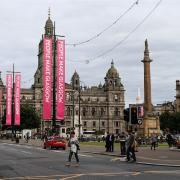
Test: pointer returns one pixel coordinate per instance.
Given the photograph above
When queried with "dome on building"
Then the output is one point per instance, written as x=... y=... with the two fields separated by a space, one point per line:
x=49 y=23
x=49 y=26
x=112 y=72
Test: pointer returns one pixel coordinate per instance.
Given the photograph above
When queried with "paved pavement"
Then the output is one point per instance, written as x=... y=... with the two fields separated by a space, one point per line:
x=162 y=156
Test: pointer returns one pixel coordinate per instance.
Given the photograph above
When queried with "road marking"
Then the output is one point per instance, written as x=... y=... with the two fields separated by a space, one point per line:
x=164 y=172
x=85 y=155
x=73 y=176
x=26 y=152
x=120 y=159
x=114 y=159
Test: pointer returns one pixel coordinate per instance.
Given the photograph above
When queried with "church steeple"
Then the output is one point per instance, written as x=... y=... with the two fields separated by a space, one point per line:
x=75 y=81
x=49 y=25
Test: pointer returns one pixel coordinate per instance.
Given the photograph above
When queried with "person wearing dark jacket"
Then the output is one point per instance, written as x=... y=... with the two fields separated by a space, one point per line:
x=107 y=143
x=111 y=142
x=131 y=147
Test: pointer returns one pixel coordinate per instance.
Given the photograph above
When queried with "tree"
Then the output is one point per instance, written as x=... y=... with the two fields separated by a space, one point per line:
x=170 y=121
x=29 y=118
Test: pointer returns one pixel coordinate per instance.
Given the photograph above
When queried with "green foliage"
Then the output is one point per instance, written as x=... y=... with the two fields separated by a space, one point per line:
x=29 y=117
x=170 y=121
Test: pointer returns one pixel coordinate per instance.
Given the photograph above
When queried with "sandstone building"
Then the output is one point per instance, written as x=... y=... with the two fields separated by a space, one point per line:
x=90 y=108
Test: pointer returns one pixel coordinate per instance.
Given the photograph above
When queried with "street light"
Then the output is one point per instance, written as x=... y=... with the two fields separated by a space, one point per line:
x=79 y=89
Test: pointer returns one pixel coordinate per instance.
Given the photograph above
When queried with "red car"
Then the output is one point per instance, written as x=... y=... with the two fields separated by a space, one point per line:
x=55 y=142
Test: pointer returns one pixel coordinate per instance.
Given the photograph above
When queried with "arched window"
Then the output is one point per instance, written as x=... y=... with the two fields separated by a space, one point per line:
x=116 y=97
x=84 y=111
x=102 y=112
x=93 y=111
x=116 y=112
x=68 y=111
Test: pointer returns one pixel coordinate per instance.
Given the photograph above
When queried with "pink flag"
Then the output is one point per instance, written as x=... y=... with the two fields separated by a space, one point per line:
x=8 y=98
x=60 y=79
x=47 y=78
x=17 y=99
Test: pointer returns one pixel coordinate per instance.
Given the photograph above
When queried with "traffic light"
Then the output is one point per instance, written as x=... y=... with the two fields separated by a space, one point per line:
x=134 y=119
x=140 y=112
x=126 y=114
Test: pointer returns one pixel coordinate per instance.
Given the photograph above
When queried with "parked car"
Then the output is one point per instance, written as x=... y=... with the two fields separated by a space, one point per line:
x=55 y=142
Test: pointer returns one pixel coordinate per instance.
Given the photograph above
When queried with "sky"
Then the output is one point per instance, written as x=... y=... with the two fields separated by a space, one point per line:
x=22 y=25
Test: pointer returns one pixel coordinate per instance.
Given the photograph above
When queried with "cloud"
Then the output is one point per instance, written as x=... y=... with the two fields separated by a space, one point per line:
x=22 y=25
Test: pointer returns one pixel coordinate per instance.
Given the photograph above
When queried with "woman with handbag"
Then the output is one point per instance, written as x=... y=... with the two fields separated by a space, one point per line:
x=74 y=147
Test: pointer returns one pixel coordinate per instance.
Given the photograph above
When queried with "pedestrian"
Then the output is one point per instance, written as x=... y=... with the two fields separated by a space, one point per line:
x=122 y=143
x=107 y=143
x=27 y=137
x=74 y=147
x=131 y=147
x=111 y=142
x=169 y=139
x=153 y=141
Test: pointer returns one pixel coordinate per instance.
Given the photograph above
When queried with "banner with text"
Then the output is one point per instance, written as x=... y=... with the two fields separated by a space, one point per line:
x=17 y=99
x=47 y=78
x=60 y=79
x=8 y=98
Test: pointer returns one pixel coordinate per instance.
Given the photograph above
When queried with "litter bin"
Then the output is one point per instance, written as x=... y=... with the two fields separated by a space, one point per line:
x=123 y=146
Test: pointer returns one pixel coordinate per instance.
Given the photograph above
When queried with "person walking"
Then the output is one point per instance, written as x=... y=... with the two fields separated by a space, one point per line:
x=169 y=139
x=153 y=141
x=131 y=147
x=123 y=143
x=107 y=143
x=111 y=142
x=74 y=147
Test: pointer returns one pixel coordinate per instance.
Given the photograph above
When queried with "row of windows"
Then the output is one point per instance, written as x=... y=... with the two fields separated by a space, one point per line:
x=22 y=97
x=69 y=97
x=93 y=112
x=102 y=124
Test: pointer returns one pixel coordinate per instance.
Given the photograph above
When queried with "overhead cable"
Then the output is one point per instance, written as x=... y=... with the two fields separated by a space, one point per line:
x=127 y=36
x=104 y=30
x=130 y=33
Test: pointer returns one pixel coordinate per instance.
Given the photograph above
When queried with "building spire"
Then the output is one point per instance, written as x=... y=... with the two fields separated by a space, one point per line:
x=112 y=63
x=49 y=12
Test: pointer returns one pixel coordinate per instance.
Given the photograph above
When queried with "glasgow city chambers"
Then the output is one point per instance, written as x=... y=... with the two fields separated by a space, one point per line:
x=96 y=108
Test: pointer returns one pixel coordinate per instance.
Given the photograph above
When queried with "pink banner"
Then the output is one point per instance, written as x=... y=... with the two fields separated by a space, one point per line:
x=47 y=78
x=8 y=98
x=60 y=79
x=17 y=99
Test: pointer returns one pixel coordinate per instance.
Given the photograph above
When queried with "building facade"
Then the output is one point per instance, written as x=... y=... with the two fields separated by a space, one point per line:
x=98 y=108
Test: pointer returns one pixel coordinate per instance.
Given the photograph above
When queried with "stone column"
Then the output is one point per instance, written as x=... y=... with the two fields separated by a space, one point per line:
x=147 y=81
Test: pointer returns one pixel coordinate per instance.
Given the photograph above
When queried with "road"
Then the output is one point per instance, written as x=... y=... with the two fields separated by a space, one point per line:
x=30 y=162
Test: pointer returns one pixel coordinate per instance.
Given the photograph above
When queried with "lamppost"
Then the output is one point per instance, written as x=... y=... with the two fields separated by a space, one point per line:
x=79 y=102
x=12 y=105
x=79 y=124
